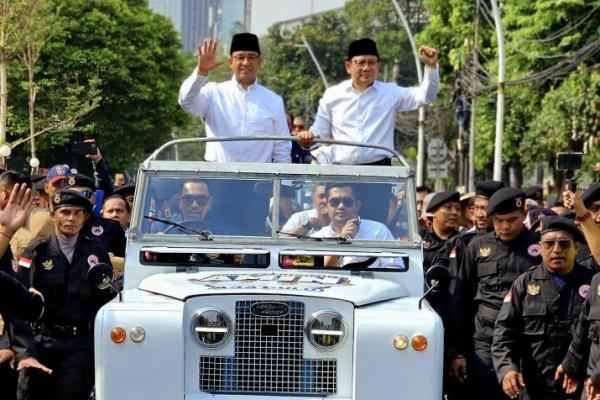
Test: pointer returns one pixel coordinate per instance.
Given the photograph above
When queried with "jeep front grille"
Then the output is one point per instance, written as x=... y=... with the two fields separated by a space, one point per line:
x=268 y=358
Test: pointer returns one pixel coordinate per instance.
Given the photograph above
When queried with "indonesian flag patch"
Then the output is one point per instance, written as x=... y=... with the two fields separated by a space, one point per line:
x=453 y=253
x=25 y=262
x=507 y=297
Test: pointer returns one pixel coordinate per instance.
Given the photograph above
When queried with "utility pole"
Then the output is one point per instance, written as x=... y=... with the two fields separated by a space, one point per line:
x=501 y=86
x=421 y=124
x=473 y=124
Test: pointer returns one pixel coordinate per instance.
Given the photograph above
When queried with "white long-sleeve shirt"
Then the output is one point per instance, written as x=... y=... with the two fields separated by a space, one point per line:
x=368 y=117
x=229 y=110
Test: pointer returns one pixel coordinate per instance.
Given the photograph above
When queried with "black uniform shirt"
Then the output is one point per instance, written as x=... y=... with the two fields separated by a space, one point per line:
x=584 y=350
x=432 y=243
x=70 y=298
x=487 y=272
x=109 y=232
x=535 y=325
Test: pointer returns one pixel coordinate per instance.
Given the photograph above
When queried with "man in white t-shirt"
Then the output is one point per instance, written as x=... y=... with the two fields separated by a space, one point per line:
x=307 y=222
x=343 y=207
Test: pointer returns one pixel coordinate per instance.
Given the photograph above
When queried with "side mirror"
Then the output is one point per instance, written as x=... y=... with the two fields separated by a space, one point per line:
x=437 y=278
x=101 y=275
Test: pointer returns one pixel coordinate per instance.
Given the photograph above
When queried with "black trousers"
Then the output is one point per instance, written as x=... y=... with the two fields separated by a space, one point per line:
x=8 y=382
x=72 y=376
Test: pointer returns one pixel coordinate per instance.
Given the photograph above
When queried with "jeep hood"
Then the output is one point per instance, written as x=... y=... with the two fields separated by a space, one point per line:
x=356 y=289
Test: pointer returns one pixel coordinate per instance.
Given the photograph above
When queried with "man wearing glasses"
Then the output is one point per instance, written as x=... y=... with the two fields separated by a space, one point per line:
x=490 y=265
x=363 y=109
x=108 y=231
x=238 y=107
x=538 y=315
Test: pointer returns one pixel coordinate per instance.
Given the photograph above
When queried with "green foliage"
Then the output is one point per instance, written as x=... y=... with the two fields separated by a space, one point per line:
x=131 y=57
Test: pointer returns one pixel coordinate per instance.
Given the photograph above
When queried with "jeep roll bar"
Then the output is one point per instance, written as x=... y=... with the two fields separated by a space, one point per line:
x=176 y=142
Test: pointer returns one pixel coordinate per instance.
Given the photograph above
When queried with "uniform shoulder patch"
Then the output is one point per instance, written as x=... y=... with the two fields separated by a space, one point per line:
x=25 y=262
x=453 y=253
x=534 y=250
x=507 y=297
x=583 y=290
x=97 y=230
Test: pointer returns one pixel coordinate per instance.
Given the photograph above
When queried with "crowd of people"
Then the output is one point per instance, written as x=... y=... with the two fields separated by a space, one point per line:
x=521 y=311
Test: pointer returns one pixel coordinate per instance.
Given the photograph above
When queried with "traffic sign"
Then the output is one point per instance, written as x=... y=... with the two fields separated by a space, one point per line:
x=437 y=170
x=437 y=150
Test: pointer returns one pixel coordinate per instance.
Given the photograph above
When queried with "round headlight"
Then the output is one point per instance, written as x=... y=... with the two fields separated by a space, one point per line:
x=211 y=327
x=326 y=330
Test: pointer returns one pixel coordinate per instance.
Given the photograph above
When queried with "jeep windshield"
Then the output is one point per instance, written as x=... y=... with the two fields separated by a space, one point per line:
x=294 y=209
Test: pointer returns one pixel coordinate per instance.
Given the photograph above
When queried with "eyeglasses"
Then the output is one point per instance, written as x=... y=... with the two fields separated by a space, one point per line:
x=298 y=126
x=346 y=201
x=189 y=199
x=241 y=58
x=563 y=244
x=362 y=63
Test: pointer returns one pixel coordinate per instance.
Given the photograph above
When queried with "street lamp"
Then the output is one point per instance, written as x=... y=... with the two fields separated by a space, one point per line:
x=4 y=152
x=500 y=105
x=421 y=125
x=284 y=33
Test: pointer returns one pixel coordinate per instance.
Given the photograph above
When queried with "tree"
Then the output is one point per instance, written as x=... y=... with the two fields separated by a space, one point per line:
x=132 y=57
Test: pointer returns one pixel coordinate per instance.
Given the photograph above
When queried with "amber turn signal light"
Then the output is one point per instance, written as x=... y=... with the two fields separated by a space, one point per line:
x=419 y=342
x=118 y=334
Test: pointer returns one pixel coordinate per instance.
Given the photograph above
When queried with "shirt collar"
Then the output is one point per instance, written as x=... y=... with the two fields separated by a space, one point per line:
x=236 y=83
x=349 y=88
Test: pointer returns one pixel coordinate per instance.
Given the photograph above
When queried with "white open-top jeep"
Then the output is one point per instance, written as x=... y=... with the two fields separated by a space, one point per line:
x=218 y=302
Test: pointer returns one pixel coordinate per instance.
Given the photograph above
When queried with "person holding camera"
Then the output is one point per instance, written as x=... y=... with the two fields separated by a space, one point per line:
x=58 y=361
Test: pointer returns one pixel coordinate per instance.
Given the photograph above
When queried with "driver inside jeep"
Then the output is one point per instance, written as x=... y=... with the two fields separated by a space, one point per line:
x=194 y=202
x=343 y=206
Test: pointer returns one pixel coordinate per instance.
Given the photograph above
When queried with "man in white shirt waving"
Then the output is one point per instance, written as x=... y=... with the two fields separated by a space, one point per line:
x=363 y=109
x=238 y=107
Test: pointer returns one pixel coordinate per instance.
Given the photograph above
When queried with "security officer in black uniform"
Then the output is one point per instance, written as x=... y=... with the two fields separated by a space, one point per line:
x=538 y=316
x=491 y=263
x=108 y=231
x=445 y=207
x=63 y=338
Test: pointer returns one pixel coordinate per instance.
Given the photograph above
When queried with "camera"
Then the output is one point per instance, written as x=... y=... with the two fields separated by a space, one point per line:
x=84 y=148
x=569 y=162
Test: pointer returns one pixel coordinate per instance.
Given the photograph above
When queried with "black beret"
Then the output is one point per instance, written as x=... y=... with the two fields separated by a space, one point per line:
x=441 y=198
x=127 y=190
x=78 y=180
x=591 y=194
x=505 y=200
x=70 y=198
x=557 y=223
x=534 y=193
x=244 y=42
x=487 y=188
x=536 y=215
x=362 y=47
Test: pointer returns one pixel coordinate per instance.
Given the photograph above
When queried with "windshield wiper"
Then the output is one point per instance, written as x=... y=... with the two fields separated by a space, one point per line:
x=339 y=240
x=204 y=234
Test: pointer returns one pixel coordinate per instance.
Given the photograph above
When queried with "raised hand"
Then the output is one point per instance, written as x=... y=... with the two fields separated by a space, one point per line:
x=15 y=213
x=428 y=56
x=207 y=59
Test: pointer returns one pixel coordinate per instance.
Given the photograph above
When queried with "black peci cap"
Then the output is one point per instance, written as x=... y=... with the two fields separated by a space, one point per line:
x=505 y=200
x=534 y=193
x=441 y=198
x=487 y=188
x=536 y=215
x=591 y=194
x=78 y=180
x=127 y=190
x=70 y=198
x=556 y=223
x=362 y=47
x=244 y=42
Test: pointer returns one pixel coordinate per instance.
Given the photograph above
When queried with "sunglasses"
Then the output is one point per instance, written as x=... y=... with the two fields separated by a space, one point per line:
x=564 y=244
x=346 y=201
x=189 y=199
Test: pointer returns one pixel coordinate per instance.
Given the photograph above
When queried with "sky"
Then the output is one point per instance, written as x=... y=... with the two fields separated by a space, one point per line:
x=267 y=12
